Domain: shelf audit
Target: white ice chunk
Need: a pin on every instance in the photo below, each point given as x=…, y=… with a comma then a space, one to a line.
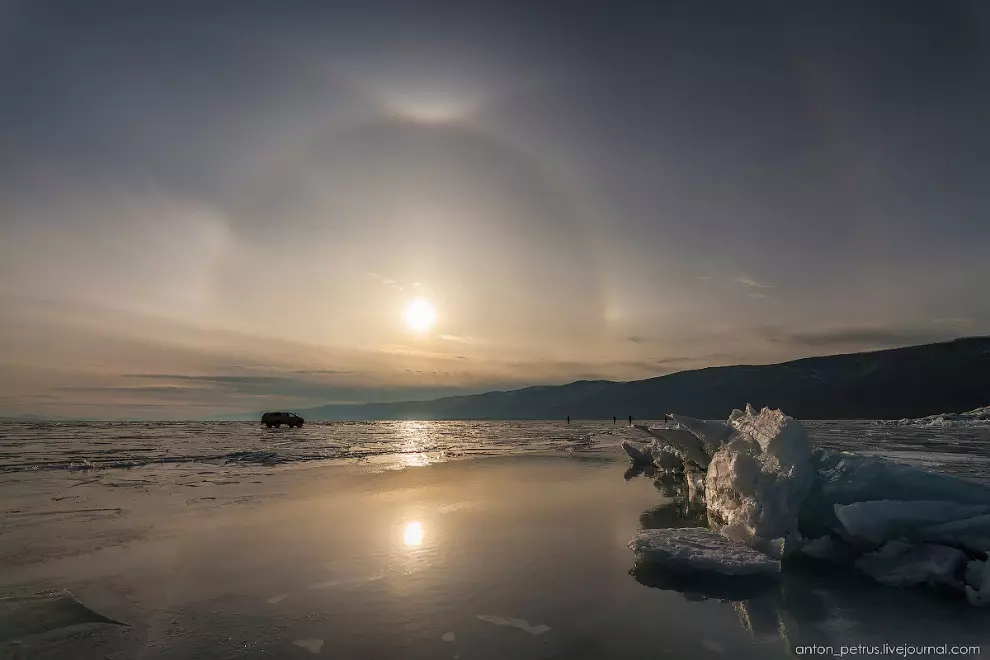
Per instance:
x=696, y=484
x=848, y=478
x=711, y=434
x=640, y=456
x=977, y=598
x=684, y=443
x=970, y=533
x=845, y=478
x=699, y=549
x=666, y=458
x=978, y=582
x=898, y=564
x=758, y=481
x=688, y=445
x=881, y=520
x=975, y=571
x=821, y=548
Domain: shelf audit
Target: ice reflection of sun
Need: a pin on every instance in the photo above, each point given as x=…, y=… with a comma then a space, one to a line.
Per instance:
x=413, y=534
x=414, y=439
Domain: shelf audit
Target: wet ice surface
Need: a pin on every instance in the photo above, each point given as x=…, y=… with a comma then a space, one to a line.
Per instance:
x=96, y=445
x=295, y=559
x=962, y=451
x=82, y=446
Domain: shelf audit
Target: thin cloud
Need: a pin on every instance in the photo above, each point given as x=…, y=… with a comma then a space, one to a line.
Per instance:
x=320, y=372
x=458, y=339
x=954, y=320
x=138, y=389
x=750, y=283
x=394, y=283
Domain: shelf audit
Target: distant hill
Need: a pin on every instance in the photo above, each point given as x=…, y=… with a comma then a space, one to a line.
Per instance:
x=891, y=384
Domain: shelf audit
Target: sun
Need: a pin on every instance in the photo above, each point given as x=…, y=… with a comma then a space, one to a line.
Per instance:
x=413, y=534
x=420, y=315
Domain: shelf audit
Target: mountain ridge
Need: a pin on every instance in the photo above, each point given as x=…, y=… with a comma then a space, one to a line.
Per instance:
x=912, y=381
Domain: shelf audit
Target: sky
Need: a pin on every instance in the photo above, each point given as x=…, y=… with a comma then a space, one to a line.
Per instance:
x=225, y=206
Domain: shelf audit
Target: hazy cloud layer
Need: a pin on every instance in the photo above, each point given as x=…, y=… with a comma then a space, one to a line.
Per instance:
x=237, y=200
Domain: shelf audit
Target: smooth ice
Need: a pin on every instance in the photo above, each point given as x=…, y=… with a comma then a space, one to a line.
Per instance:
x=880, y=520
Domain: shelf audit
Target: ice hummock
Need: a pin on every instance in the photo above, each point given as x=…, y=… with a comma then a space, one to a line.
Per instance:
x=972, y=534
x=758, y=480
x=682, y=443
x=881, y=520
x=977, y=416
x=767, y=492
x=699, y=549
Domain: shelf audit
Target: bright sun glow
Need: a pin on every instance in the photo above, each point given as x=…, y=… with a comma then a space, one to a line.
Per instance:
x=420, y=315
x=413, y=534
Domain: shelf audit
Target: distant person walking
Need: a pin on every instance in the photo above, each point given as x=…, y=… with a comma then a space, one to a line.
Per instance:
x=630, y=420
x=568, y=419
x=613, y=420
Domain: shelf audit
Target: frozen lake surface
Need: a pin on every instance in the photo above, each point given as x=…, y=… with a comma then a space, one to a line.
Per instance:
x=408, y=539
x=963, y=451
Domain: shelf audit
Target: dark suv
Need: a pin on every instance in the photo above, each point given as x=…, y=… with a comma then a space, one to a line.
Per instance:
x=276, y=419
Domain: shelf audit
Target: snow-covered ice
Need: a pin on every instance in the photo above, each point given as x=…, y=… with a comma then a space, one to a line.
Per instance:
x=699, y=549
